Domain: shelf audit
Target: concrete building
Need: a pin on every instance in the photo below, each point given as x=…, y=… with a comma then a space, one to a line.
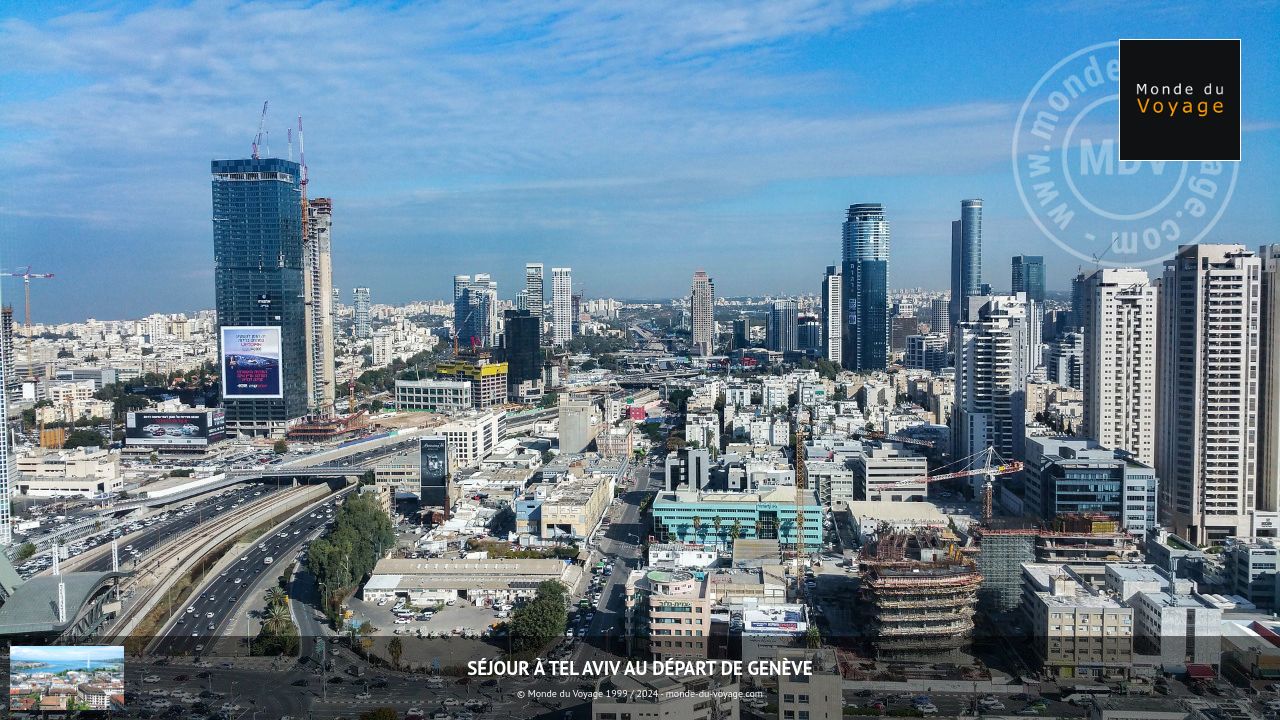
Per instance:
x=576, y=427
x=361, y=305
x=686, y=557
x=1269, y=390
x=832, y=318
x=818, y=695
x=1119, y=354
x=1179, y=628
x=383, y=348
x=483, y=582
x=1076, y=631
x=83, y=472
x=890, y=471
x=1207, y=396
x=1066, y=476
x=317, y=286
x=1064, y=361
x=561, y=305
x=997, y=349
x=535, y=293
x=688, y=469
x=691, y=697
x=617, y=442
x=443, y=396
x=573, y=507
x=472, y=437
x=670, y=609
x=768, y=513
x=702, y=310
x=488, y=378
x=926, y=352
x=920, y=609
x=1251, y=570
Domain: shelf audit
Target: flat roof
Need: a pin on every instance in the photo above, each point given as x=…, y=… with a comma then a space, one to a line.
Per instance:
x=896, y=510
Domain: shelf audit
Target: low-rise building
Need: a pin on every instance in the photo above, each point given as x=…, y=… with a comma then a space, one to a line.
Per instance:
x=472, y=437
x=1076, y=630
x=430, y=582
x=682, y=556
x=716, y=517
x=818, y=695
x=692, y=697
x=890, y=471
x=443, y=396
x=1180, y=628
x=82, y=472
x=573, y=507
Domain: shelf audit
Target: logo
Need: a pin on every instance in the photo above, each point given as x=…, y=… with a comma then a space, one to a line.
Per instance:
x=1180, y=100
x=1082, y=196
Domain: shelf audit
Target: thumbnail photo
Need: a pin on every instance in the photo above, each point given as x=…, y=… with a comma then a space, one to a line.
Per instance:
x=50, y=680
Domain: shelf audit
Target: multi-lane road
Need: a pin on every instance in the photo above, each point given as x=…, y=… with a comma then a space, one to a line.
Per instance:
x=216, y=611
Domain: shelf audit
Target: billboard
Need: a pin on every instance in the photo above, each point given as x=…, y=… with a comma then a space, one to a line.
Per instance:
x=251, y=363
x=177, y=429
x=434, y=458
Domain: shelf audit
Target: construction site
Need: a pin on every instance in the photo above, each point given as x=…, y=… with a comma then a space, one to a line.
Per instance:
x=918, y=595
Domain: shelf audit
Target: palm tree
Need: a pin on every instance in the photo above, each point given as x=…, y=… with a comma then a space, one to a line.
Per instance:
x=275, y=596
x=277, y=618
x=716, y=521
x=735, y=530
x=697, y=526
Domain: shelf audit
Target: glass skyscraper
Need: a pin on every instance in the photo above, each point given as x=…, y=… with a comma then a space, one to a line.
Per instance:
x=966, y=259
x=1028, y=277
x=865, y=269
x=258, y=277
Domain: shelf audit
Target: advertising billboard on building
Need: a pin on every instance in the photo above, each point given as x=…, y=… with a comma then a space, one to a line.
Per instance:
x=434, y=456
x=251, y=363
x=177, y=430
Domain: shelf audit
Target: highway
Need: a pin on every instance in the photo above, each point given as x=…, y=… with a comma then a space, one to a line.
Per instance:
x=210, y=615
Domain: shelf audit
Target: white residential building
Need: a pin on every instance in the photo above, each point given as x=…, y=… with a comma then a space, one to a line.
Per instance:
x=996, y=352
x=534, y=289
x=1119, y=373
x=472, y=437
x=384, y=348
x=444, y=396
x=832, y=325
x=1269, y=391
x=702, y=309
x=562, y=305
x=890, y=471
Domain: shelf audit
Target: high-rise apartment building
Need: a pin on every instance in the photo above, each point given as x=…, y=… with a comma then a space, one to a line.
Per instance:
x=865, y=268
x=832, y=320
x=1028, y=277
x=782, y=333
x=1269, y=388
x=702, y=309
x=534, y=289
x=1119, y=368
x=940, y=315
x=7, y=465
x=562, y=305
x=475, y=310
x=360, y=298
x=966, y=259
x=258, y=283
x=996, y=352
x=317, y=287
x=1207, y=391
x=9, y=370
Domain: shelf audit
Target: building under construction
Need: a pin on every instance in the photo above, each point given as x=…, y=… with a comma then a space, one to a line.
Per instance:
x=919, y=595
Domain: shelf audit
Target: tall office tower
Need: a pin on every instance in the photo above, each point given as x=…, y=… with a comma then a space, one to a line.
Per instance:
x=996, y=351
x=7, y=466
x=966, y=259
x=561, y=305
x=832, y=328
x=742, y=333
x=1207, y=391
x=809, y=333
x=475, y=309
x=1269, y=389
x=1119, y=369
x=782, y=331
x=1079, y=295
x=535, y=289
x=865, y=267
x=702, y=307
x=258, y=282
x=940, y=320
x=521, y=338
x=1028, y=277
x=360, y=298
x=522, y=300
x=317, y=287
x=9, y=371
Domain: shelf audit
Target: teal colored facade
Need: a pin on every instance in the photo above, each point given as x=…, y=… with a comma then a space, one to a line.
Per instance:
x=674, y=518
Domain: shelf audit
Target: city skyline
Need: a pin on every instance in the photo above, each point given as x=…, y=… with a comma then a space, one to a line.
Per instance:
x=454, y=176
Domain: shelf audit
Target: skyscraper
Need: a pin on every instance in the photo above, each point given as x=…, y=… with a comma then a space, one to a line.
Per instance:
x=1119, y=368
x=1207, y=391
x=1028, y=277
x=360, y=298
x=317, y=284
x=534, y=289
x=966, y=259
x=562, y=305
x=521, y=336
x=782, y=331
x=9, y=371
x=742, y=332
x=1269, y=390
x=7, y=467
x=702, y=307
x=475, y=310
x=258, y=283
x=865, y=267
x=832, y=325
x=995, y=352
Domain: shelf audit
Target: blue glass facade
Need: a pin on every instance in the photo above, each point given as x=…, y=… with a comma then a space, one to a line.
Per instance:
x=257, y=247
x=1028, y=277
x=966, y=259
x=865, y=269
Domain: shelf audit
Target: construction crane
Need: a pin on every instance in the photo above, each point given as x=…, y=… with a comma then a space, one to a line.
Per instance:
x=992, y=466
x=27, y=276
x=262, y=124
x=877, y=435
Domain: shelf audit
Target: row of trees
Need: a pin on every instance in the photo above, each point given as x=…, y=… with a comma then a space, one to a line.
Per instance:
x=278, y=635
x=361, y=533
x=542, y=620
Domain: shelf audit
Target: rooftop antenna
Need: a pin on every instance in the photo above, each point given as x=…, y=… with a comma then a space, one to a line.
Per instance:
x=262, y=122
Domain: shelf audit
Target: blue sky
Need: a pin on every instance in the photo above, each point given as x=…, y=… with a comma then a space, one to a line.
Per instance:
x=635, y=142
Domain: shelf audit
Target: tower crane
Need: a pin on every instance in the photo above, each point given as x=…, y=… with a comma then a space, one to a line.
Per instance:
x=992, y=467
x=262, y=124
x=27, y=276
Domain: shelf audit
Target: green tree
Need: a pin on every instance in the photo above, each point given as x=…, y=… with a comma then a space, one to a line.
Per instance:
x=541, y=620
x=549, y=400
x=395, y=649
x=813, y=638
x=697, y=525
x=275, y=596
x=83, y=437
x=361, y=532
x=375, y=405
x=735, y=530
x=25, y=551
x=381, y=713
x=281, y=447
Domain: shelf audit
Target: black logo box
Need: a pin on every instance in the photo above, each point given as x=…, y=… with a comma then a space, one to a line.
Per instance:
x=1188, y=68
